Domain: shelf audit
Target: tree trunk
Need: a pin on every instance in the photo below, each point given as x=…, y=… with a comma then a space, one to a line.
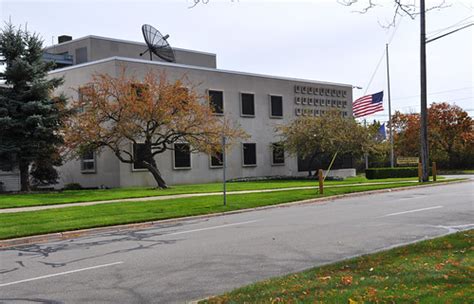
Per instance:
x=151, y=166
x=24, y=167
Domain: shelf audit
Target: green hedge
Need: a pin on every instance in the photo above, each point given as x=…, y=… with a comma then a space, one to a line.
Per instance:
x=375, y=173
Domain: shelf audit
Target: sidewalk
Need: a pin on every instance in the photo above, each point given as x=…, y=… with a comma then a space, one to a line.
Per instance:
x=175, y=196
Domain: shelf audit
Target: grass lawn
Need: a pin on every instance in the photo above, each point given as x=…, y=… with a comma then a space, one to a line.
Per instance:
x=434, y=271
x=80, y=217
x=76, y=196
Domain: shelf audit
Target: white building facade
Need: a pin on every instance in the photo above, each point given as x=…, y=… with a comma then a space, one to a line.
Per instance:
x=258, y=103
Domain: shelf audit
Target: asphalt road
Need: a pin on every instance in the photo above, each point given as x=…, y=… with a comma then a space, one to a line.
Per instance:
x=187, y=260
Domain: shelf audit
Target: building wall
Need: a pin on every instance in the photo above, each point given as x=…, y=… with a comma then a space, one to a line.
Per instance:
x=260, y=128
x=107, y=165
x=100, y=48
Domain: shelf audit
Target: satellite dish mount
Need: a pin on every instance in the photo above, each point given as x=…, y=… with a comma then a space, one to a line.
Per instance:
x=157, y=44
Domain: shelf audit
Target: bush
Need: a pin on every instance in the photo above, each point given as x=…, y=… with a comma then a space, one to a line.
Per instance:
x=375, y=173
x=72, y=186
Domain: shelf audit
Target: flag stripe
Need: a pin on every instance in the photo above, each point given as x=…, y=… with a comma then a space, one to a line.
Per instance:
x=368, y=104
x=360, y=110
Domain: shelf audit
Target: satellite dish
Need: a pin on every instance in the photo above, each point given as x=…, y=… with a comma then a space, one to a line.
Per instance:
x=157, y=44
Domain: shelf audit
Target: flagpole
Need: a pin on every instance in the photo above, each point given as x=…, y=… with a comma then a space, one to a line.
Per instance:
x=389, y=108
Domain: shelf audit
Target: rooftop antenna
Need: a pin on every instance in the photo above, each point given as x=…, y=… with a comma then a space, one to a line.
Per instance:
x=157, y=44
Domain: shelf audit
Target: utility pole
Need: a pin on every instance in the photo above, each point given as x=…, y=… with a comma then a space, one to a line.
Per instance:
x=389, y=108
x=423, y=102
x=224, y=188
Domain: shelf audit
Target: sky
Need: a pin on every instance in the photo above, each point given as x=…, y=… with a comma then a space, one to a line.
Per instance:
x=317, y=40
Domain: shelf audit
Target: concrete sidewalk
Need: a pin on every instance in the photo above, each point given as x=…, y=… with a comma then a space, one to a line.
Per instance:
x=175, y=196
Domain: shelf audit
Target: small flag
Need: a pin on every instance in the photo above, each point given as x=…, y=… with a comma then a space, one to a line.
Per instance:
x=381, y=134
x=368, y=104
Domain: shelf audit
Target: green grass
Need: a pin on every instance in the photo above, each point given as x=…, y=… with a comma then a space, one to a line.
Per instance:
x=434, y=271
x=76, y=196
x=79, y=217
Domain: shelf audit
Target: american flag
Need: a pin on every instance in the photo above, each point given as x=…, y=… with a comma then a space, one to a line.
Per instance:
x=368, y=104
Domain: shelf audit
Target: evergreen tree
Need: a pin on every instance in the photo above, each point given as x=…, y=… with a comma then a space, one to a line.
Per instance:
x=30, y=118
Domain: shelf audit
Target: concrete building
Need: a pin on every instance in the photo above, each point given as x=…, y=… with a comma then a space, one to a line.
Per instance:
x=257, y=102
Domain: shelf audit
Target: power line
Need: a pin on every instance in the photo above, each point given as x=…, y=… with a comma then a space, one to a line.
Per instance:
x=449, y=27
x=448, y=33
x=434, y=93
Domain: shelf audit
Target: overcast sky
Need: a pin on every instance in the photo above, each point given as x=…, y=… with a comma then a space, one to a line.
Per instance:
x=317, y=40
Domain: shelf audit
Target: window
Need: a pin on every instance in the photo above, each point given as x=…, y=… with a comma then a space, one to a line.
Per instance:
x=88, y=162
x=139, y=156
x=182, y=156
x=297, y=100
x=216, y=101
x=276, y=106
x=248, y=104
x=81, y=55
x=250, y=154
x=278, y=154
x=217, y=160
x=84, y=97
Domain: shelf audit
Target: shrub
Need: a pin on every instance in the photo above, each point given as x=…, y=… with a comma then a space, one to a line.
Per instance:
x=375, y=173
x=72, y=186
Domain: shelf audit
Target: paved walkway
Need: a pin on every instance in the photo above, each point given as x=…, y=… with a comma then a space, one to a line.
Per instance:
x=174, y=196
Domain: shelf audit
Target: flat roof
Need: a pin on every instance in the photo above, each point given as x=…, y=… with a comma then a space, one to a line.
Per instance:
x=122, y=41
x=192, y=67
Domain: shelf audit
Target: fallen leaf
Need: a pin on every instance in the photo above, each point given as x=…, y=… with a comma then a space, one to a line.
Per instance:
x=346, y=280
x=324, y=278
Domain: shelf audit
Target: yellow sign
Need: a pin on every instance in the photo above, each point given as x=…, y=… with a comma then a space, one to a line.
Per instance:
x=407, y=160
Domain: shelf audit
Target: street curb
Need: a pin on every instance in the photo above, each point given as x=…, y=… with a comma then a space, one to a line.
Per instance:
x=59, y=236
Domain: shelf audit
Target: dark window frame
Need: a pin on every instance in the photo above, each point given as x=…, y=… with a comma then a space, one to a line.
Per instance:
x=90, y=160
x=244, y=164
x=212, y=105
x=274, y=147
x=242, y=104
x=136, y=167
x=175, y=158
x=272, y=115
x=220, y=163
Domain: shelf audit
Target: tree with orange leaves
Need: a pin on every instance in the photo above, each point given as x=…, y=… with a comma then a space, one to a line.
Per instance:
x=116, y=111
x=451, y=137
